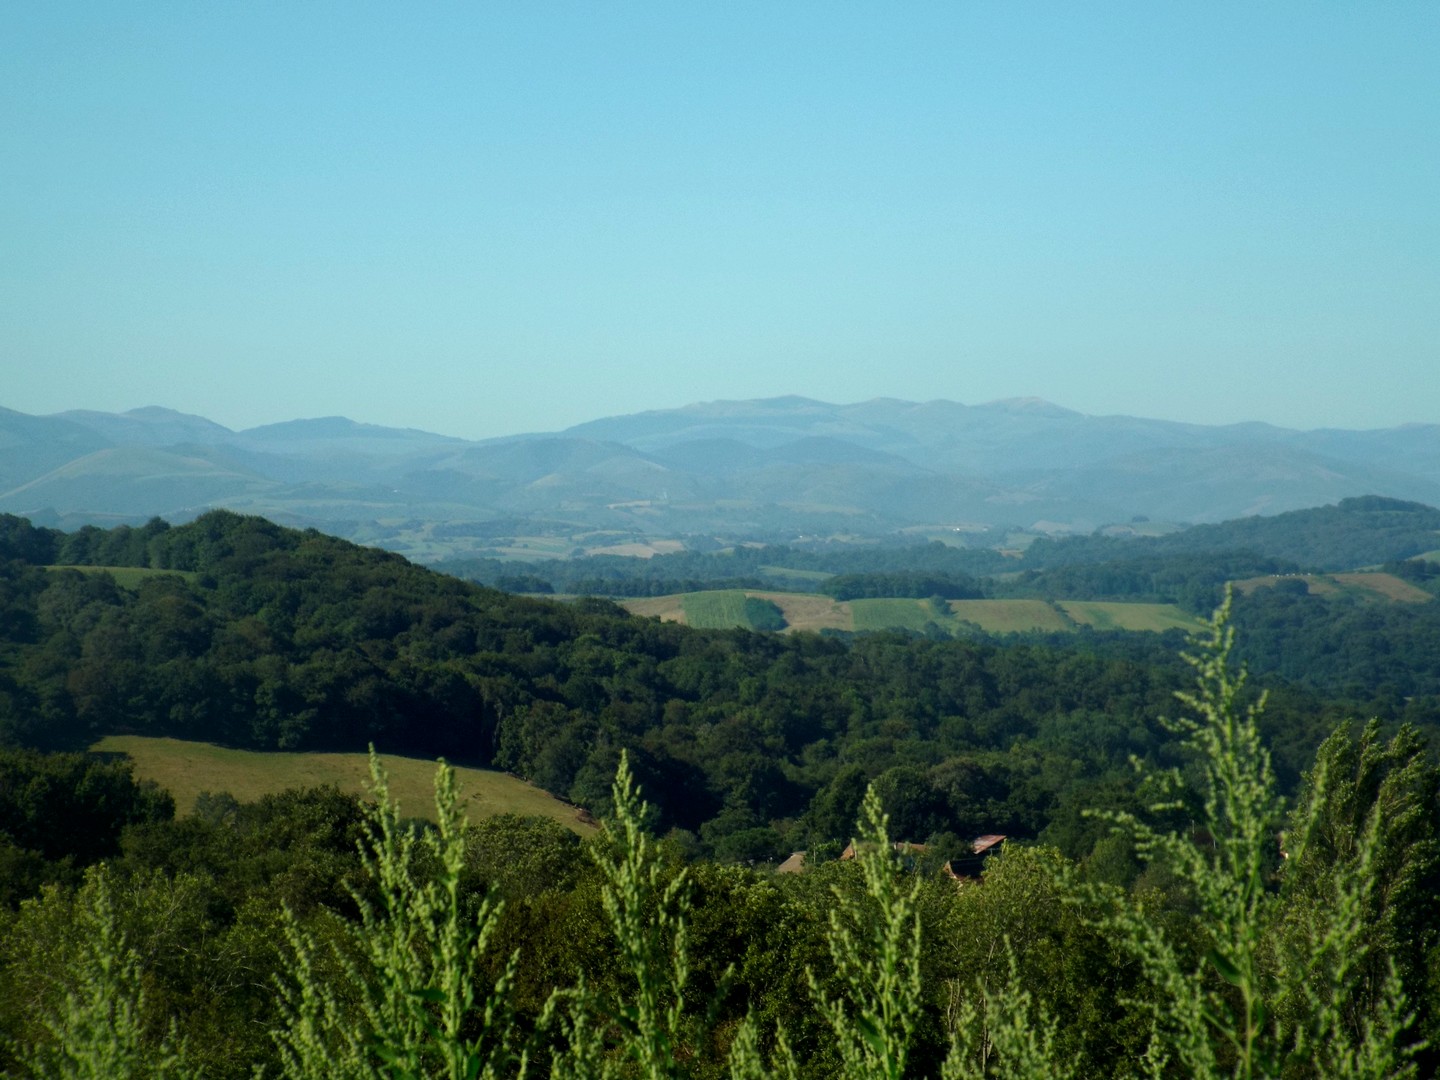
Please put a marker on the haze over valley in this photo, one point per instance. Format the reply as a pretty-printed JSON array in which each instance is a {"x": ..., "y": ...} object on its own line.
[{"x": 771, "y": 469}]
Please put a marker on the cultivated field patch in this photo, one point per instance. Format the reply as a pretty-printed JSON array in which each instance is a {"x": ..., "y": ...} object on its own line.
[
  {"x": 1124, "y": 616},
  {"x": 670, "y": 608},
  {"x": 1011, "y": 616},
  {"x": 1387, "y": 585},
  {"x": 1318, "y": 584},
  {"x": 810, "y": 611},
  {"x": 895, "y": 614},
  {"x": 640, "y": 549},
  {"x": 1368, "y": 584},
  {"x": 185, "y": 769},
  {"x": 716, "y": 609}
]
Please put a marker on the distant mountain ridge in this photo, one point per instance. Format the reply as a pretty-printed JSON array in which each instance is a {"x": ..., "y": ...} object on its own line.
[{"x": 771, "y": 467}]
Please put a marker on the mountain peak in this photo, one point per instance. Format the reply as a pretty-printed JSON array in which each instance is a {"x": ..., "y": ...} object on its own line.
[{"x": 1032, "y": 406}]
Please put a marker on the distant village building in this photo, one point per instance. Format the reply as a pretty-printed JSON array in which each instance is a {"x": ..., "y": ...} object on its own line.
[
  {"x": 967, "y": 868},
  {"x": 970, "y": 866}
]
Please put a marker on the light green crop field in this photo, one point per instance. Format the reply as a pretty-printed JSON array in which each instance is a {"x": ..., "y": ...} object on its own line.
[
  {"x": 187, "y": 768},
  {"x": 810, "y": 611},
  {"x": 1366, "y": 585},
  {"x": 898, "y": 614},
  {"x": 715, "y": 609},
  {"x": 669, "y": 608},
  {"x": 1010, "y": 616},
  {"x": 1384, "y": 585},
  {"x": 1114, "y": 616},
  {"x": 802, "y": 611},
  {"x": 127, "y": 577}
]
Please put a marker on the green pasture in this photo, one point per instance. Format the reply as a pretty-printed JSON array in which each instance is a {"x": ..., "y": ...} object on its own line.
[
  {"x": 1119, "y": 616},
  {"x": 1363, "y": 585},
  {"x": 725, "y": 608},
  {"x": 897, "y": 614},
  {"x": 185, "y": 769},
  {"x": 1011, "y": 616},
  {"x": 715, "y": 609}
]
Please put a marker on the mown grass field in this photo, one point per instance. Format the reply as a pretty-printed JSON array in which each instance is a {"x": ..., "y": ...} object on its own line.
[
  {"x": 127, "y": 577},
  {"x": 802, "y": 611},
  {"x": 810, "y": 611},
  {"x": 669, "y": 608},
  {"x": 716, "y": 609},
  {"x": 185, "y": 769},
  {"x": 1386, "y": 585},
  {"x": 1113, "y": 616},
  {"x": 898, "y": 614},
  {"x": 1366, "y": 584},
  {"x": 813, "y": 611},
  {"x": 1011, "y": 616}
]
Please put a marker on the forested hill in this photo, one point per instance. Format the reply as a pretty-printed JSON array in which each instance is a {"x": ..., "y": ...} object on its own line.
[
  {"x": 1362, "y": 531},
  {"x": 241, "y": 632}
]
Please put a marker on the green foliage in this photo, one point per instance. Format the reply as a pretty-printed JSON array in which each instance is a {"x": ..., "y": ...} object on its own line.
[
  {"x": 411, "y": 964},
  {"x": 717, "y": 609},
  {"x": 875, "y": 949},
  {"x": 762, "y": 614},
  {"x": 1255, "y": 1003},
  {"x": 1366, "y": 832},
  {"x": 1007, "y": 1034},
  {"x": 63, "y": 810},
  {"x": 646, "y": 906},
  {"x": 96, "y": 1030},
  {"x": 287, "y": 640},
  {"x": 1224, "y": 959}
]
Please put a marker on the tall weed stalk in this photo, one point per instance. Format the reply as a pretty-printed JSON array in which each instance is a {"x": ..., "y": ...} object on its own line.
[
  {"x": 647, "y": 907},
  {"x": 1260, "y": 1002},
  {"x": 97, "y": 1030},
  {"x": 875, "y": 947},
  {"x": 415, "y": 1007}
]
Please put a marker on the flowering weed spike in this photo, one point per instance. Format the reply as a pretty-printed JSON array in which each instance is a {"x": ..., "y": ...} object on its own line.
[{"x": 875, "y": 947}]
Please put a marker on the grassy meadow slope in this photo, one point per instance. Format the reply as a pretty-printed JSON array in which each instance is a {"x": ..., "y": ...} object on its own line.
[
  {"x": 1365, "y": 585},
  {"x": 1115, "y": 616},
  {"x": 185, "y": 769}
]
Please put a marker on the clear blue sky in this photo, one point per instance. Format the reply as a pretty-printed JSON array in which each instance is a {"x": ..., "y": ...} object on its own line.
[{"x": 488, "y": 218}]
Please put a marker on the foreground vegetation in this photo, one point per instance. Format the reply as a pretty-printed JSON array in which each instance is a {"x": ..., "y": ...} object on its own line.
[{"x": 445, "y": 952}]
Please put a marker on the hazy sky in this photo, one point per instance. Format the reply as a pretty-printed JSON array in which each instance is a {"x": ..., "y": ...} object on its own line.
[{"x": 481, "y": 219}]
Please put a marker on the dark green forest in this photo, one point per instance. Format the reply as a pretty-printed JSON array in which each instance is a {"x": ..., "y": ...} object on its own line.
[{"x": 747, "y": 745}]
